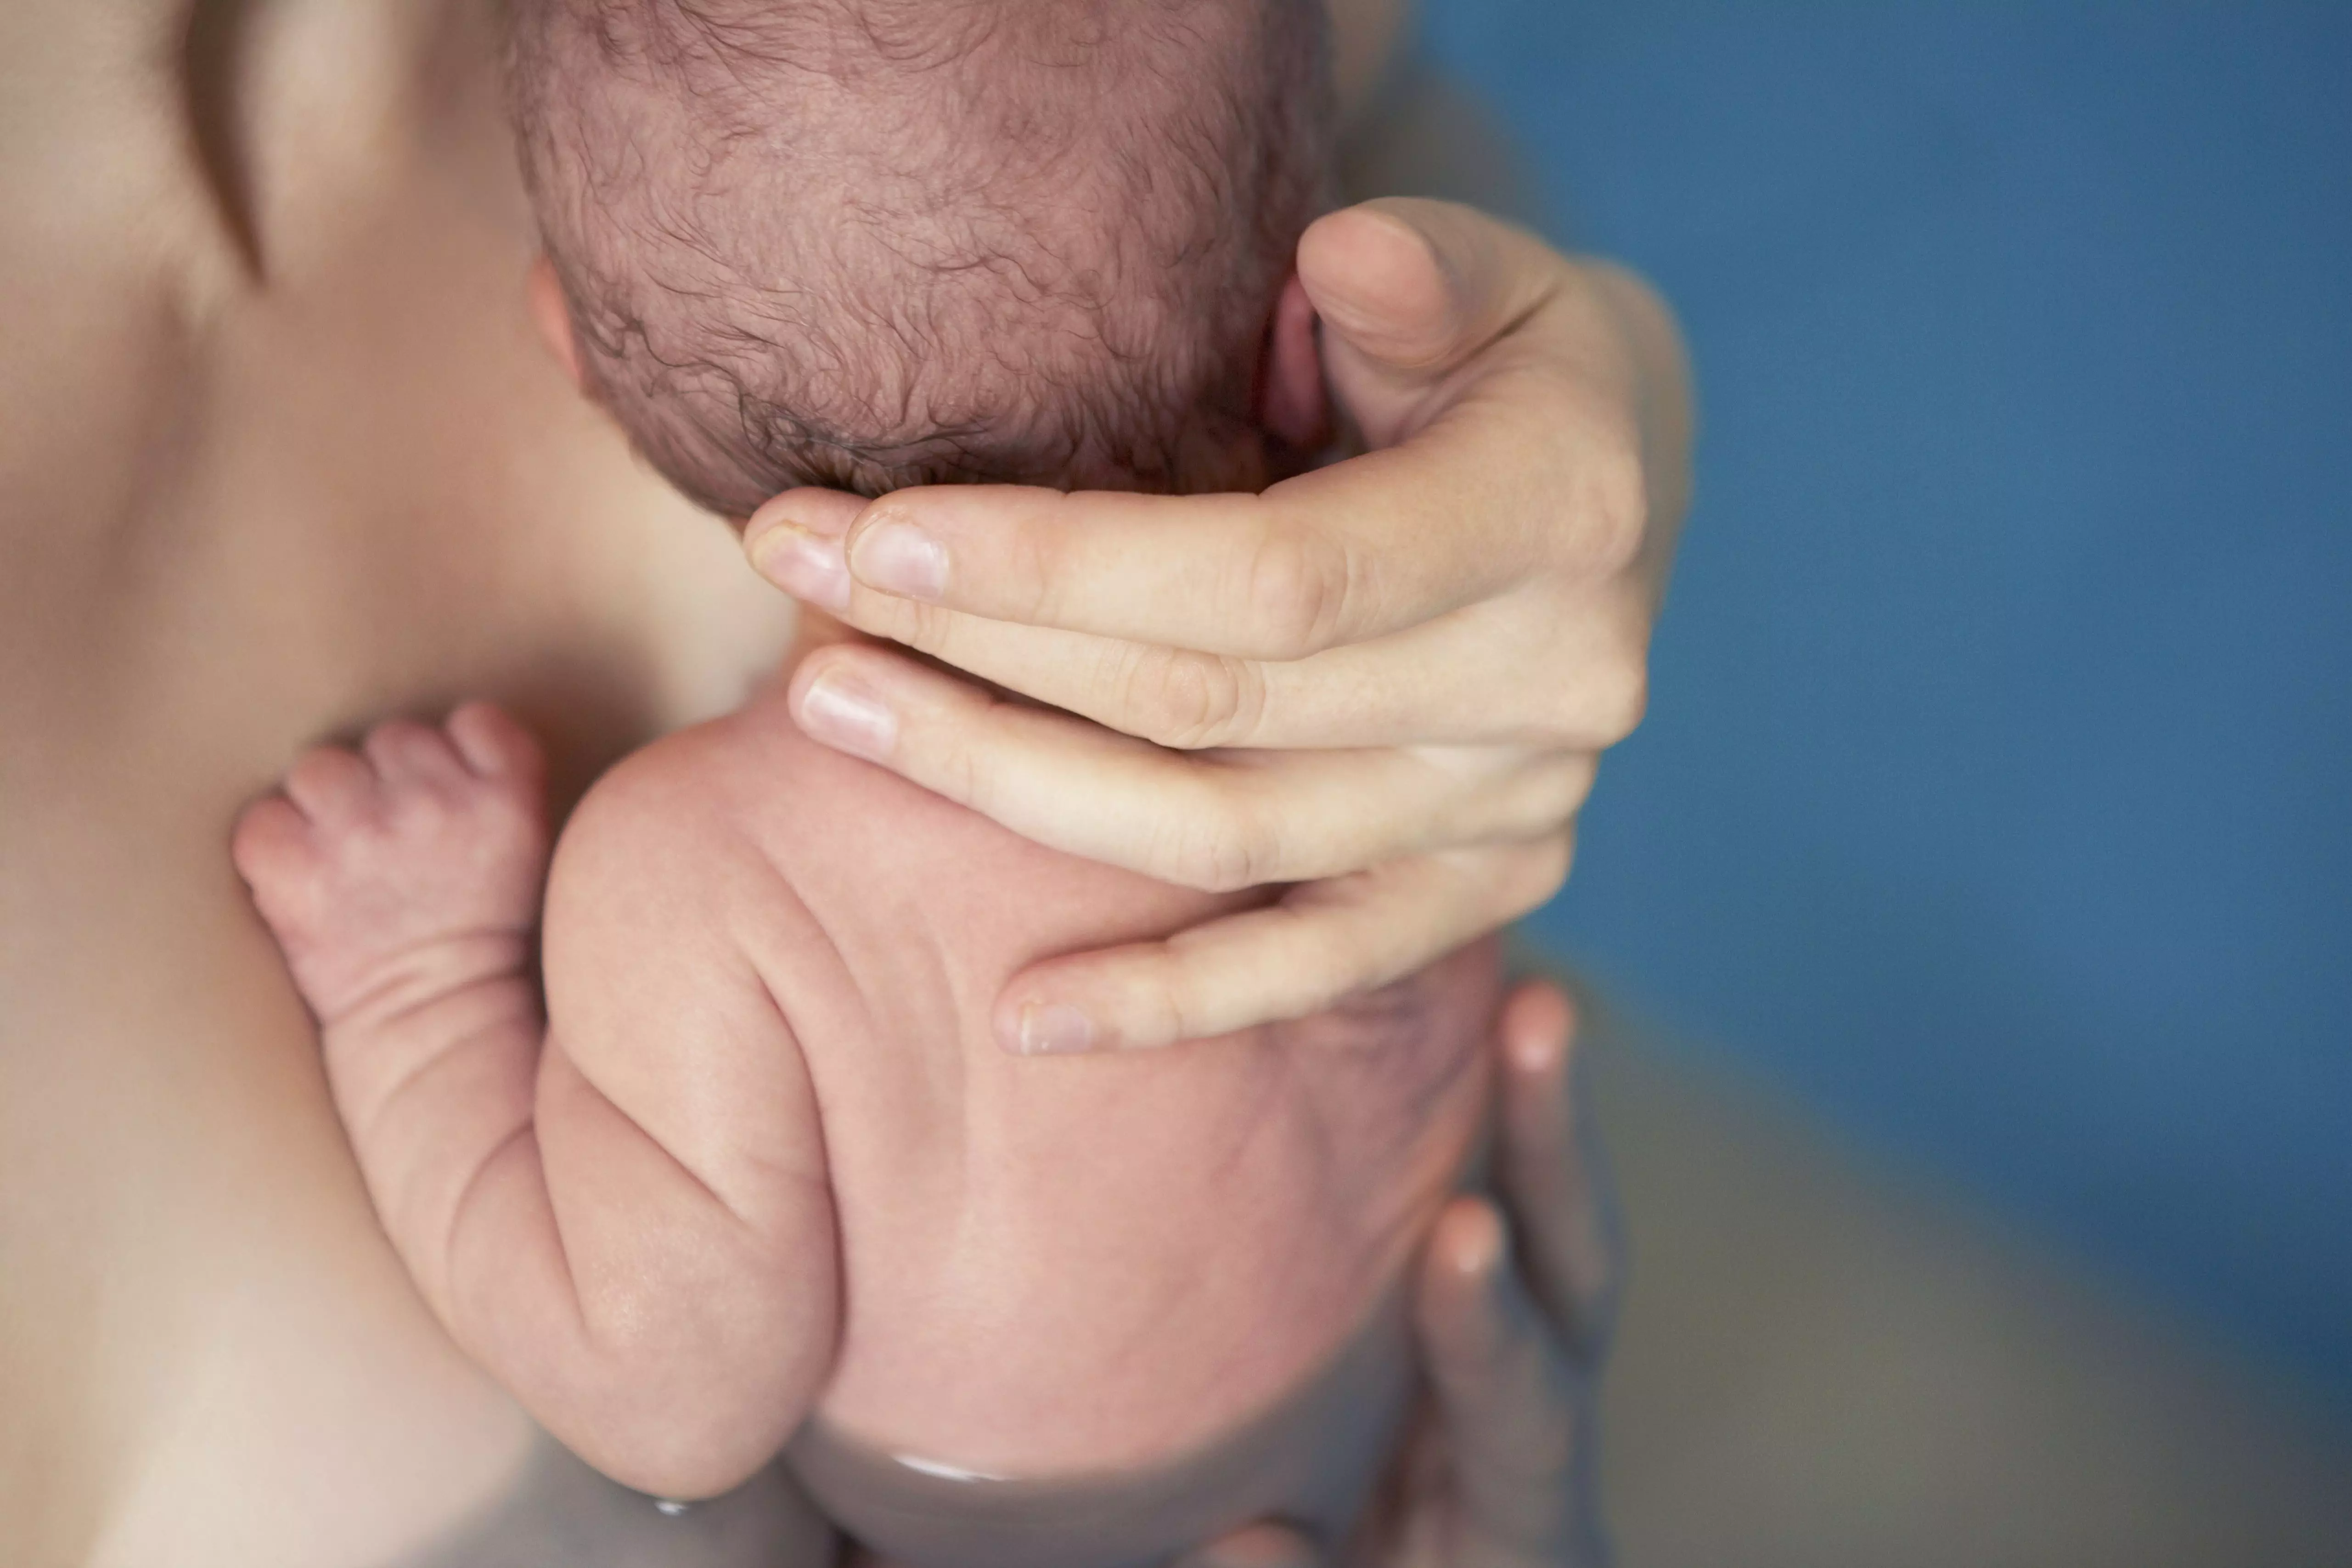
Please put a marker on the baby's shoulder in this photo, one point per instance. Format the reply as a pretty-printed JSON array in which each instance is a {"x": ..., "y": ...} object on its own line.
[
  {"x": 743, "y": 814},
  {"x": 773, "y": 832},
  {"x": 675, "y": 826},
  {"x": 741, "y": 848}
]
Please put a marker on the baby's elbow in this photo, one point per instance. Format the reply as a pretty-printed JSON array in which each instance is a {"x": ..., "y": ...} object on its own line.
[
  {"x": 688, "y": 1462},
  {"x": 693, "y": 1406},
  {"x": 698, "y": 1438}
]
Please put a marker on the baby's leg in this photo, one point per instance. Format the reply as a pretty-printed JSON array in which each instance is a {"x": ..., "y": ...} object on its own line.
[{"x": 668, "y": 1321}]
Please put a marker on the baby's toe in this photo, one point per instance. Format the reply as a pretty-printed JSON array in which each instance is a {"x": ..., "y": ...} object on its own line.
[
  {"x": 495, "y": 745},
  {"x": 331, "y": 787}
]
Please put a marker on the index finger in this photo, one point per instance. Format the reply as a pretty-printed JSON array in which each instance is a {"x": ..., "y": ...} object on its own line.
[{"x": 1361, "y": 549}]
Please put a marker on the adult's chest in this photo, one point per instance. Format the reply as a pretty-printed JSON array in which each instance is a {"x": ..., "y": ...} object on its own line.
[{"x": 241, "y": 517}]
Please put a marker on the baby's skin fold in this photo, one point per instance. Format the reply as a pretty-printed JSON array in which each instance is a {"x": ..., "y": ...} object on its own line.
[{"x": 751, "y": 1153}]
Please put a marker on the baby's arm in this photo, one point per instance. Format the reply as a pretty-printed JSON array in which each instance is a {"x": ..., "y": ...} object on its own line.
[{"x": 623, "y": 1215}]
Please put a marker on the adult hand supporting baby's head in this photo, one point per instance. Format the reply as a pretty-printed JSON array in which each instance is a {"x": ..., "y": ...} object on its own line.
[
  {"x": 1386, "y": 682},
  {"x": 1515, "y": 1302}
]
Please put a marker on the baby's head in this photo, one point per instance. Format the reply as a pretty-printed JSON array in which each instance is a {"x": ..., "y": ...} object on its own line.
[{"x": 866, "y": 244}]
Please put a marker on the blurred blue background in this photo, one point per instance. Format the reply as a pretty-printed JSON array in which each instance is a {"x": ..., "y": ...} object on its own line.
[{"x": 1996, "y": 799}]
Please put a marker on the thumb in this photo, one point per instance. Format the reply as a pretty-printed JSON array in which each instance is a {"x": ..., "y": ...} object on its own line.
[{"x": 1416, "y": 286}]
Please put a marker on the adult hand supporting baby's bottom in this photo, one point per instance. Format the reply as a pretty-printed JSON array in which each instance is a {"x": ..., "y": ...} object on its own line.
[
  {"x": 1384, "y": 681},
  {"x": 1499, "y": 1473}
]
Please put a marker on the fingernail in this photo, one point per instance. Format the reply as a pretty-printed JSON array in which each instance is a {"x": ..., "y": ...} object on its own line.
[
  {"x": 808, "y": 568},
  {"x": 845, "y": 716},
  {"x": 1534, "y": 1054},
  {"x": 1055, "y": 1029},
  {"x": 1479, "y": 1244},
  {"x": 1538, "y": 1022},
  {"x": 901, "y": 558}
]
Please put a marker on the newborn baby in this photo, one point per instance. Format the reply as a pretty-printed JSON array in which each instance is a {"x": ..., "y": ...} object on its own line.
[{"x": 759, "y": 1169}]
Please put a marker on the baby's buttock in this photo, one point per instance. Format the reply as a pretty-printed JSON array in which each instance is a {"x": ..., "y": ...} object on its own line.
[
  {"x": 1067, "y": 1268},
  {"x": 1087, "y": 1266},
  {"x": 1310, "y": 1460}
]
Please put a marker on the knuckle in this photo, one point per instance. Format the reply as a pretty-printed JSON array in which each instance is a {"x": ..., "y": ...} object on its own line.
[
  {"x": 1298, "y": 591},
  {"x": 1602, "y": 704},
  {"x": 1572, "y": 788},
  {"x": 1188, "y": 701},
  {"x": 1615, "y": 505},
  {"x": 1549, "y": 796},
  {"x": 1168, "y": 1000},
  {"x": 1538, "y": 872},
  {"x": 927, "y": 627},
  {"x": 1620, "y": 701},
  {"x": 955, "y": 748},
  {"x": 962, "y": 773},
  {"x": 1222, "y": 847},
  {"x": 1038, "y": 551}
]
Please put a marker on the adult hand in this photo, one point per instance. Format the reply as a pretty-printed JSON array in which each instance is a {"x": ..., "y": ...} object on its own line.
[
  {"x": 1384, "y": 683},
  {"x": 1500, "y": 1474}
]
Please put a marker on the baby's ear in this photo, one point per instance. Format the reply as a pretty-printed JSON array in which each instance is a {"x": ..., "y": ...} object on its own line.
[
  {"x": 1292, "y": 405},
  {"x": 552, "y": 316}
]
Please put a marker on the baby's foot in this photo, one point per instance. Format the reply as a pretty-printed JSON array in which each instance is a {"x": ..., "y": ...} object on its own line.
[{"x": 405, "y": 871}]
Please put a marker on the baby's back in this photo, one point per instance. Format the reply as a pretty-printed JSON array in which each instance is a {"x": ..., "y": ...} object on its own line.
[{"x": 1071, "y": 1266}]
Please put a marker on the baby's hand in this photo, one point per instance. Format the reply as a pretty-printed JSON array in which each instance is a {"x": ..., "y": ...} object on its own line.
[
  {"x": 656, "y": 1333},
  {"x": 406, "y": 870}
]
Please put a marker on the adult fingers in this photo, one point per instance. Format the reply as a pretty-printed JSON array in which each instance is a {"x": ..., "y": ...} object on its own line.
[
  {"x": 1549, "y": 1172},
  {"x": 1542, "y": 666},
  {"x": 1320, "y": 942},
  {"x": 1443, "y": 325},
  {"x": 1511, "y": 482},
  {"x": 1408, "y": 290},
  {"x": 1346, "y": 552},
  {"x": 1518, "y": 382},
  {"x": 1255, "y": 1546},
  {"x": 1214, "y": 821},
  {"x": 1515, "y": 1413},
  {"x": 1413, "y": 287}
]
